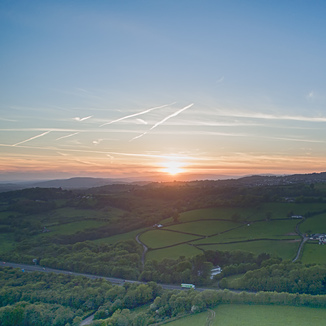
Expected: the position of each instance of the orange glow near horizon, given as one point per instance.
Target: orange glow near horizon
(173, 167)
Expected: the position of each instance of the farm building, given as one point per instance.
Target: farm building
(215, 271)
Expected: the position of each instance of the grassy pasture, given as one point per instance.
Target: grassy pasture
(161, 238)
(273, 229)
(277, 211)
(65, 214)
(173, 252)
(252, 315)
(204, 228)
(283, 249)
(119, 237)
(281, 210)
(314, 224)
(71, 228)
(216, 213)
(314, 253)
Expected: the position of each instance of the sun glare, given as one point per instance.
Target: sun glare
(173, 167)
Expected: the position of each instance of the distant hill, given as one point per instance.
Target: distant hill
(89, 182)
(76, 183)
(282, 180)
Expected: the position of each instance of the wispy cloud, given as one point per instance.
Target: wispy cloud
(109, 153)
(97, 142)
(265, 116)
(297, 139)
(310, 95)
(29, 139)
(76, 133)
(165, 119)
(136, 114)
(141, 121)
(83, 119)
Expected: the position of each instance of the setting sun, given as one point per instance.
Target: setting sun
(173, 167)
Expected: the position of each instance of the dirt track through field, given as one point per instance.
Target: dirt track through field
(210, 317)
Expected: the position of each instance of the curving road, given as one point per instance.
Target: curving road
(145, 248)
(113, 280)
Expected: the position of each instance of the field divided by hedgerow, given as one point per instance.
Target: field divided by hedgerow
(283, 249)
(204, 228)
(273, 229)
(173, 252)
(162, 238)
(72, 228)
(314, 224)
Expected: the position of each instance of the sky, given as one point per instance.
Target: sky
(137, 88)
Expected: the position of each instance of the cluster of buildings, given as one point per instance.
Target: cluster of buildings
(320, 237)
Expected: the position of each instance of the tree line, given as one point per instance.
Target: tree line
(44, 299)
(283, 276)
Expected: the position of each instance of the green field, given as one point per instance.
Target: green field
(283, 249)
(314, 253)
(204, 228)
(173, 252)
(161, 238)
(276, 237)
(216, 213)
(281, 210)
(315, 224)
(71, 228)
(66, 214)
(119, 237)
(275, 210)
(256, 315)
(257, 230)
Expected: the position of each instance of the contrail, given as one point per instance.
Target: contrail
(76, 133)
(165, 119)
(25, 141)
(82, 119)
(136, 114)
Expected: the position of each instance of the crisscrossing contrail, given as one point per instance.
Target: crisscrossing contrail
(136, 114)
(29, 139)
(163, 120)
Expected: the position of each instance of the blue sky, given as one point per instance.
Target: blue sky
(120, 88)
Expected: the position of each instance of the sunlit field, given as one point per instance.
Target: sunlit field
(314, 253)
(223, 213)
(252, 315)
(204, 228)
(173, 252)
(161, 238)
(274, 210)
(258, 230)
(283, 249)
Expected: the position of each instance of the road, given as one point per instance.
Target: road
(304, 240)
(113, 280)
(145, 248)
